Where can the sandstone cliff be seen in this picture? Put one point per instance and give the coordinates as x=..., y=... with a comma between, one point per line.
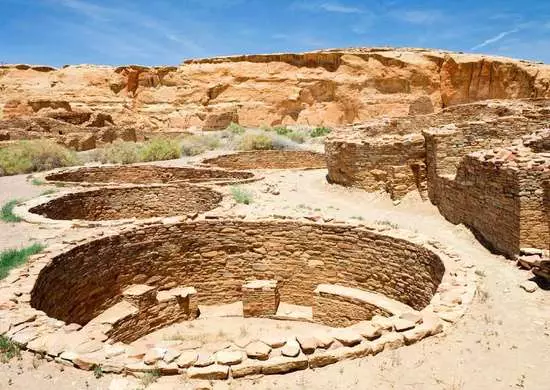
x=332, y=87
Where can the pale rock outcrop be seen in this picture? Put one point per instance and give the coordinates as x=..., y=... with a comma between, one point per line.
x=328, y=87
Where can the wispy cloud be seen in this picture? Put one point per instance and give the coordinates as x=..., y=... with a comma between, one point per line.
x=495, y=39
x=334, y=7
x=419, y=16
x=130, y=31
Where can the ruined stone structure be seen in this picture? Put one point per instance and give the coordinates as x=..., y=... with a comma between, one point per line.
x=83, y=303
x=499, y=193
x=488, y=173
x=269, y=159
x=390, y=155
x=130, y=202
x=145, y=174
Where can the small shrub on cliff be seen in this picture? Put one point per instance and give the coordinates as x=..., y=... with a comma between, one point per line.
x=235, y=128
x=241, y=195
x=6, y=213
x=159, y=149
x=198, y=144
x=12, y=258
x=320, y=131
x=33, y=156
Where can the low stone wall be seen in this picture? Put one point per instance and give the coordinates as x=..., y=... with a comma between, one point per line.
x=342, y=306
x=217, y=257
x=130, y=202
x=392, y=164
x=145, y=174
x=270, y=159
x=142, y=313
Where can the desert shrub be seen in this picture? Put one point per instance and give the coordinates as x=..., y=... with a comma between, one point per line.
x=256, y=141
x=12, y=258
x=282, y=130
x=8, y=350
x=33, y=156
x=119, y=152
x=6, y=213
x=159, y=149
x=241, y=195
x=320, y=131
x=296, y=136
x=37, y=182
x=235, y=128
x=197, y=144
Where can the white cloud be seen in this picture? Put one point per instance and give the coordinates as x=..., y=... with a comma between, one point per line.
x=333, y=7
x=419, y=16
x=131, y=33
x=340, y=8
x=494, y=39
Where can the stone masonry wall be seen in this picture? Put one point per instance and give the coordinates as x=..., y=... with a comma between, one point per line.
x=378, y=156
x=394, y=165
x=130, y=202
x=269, y=159
x=498, y=193
x=338, y=311
x=216, y=257
x=145, y=174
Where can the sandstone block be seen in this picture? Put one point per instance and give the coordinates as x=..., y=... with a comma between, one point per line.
x=215, y=372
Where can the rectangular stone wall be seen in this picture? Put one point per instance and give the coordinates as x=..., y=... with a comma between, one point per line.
x=395, y=165
x=534, y=229
x=484, y=198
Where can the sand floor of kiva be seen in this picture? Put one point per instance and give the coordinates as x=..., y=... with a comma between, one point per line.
x=501, y=343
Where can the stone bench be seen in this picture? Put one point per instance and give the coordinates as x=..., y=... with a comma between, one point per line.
x=144, y=309
x=184, y=297
x=260, y=298
x=344, y=306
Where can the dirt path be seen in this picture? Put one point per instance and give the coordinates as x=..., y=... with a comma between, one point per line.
x=503, y=342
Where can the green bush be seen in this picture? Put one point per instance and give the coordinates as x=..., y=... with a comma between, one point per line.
x=253, y=141
x=241, y=195
x=12, y=258
x=159, y=149
x=119, y=152
x=198, y=144
x=235, y=128
x=282, y=130
x=122, y=152
x=8, y=350
x=33, y=156
x=6, y=213
x=320, y=131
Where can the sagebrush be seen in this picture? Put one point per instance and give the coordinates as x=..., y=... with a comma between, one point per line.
x=34, y=156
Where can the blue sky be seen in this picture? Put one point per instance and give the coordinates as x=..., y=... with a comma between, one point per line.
x=156, y=32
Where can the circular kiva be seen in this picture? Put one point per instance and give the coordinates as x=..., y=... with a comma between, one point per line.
x=270, y=159
x=146, y=174
x=106, y=204
x=83, y=305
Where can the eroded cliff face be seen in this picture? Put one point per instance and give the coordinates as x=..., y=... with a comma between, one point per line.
x=332, y=87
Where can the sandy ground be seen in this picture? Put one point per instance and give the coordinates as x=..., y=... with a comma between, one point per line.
x=503, y=342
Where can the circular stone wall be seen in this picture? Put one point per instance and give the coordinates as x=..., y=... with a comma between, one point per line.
x=217, y=257
x=146, y=174
x=270, y=159
x=130, y=202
